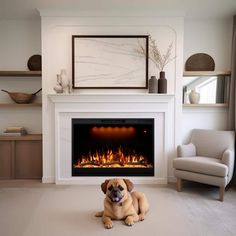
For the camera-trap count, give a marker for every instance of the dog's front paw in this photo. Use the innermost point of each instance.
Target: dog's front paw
(108, 225)
(141, 217)
(129, 221)
(99, 214)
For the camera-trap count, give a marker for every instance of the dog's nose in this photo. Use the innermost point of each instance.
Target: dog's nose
(115, 192)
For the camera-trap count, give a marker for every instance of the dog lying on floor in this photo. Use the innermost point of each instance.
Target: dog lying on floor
(122, 204)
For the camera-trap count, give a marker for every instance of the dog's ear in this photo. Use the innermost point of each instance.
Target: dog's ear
(104, 186)
(129, 184)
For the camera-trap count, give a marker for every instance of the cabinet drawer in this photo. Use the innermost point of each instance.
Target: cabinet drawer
(21, 158)
(5, 160)
(28, 159)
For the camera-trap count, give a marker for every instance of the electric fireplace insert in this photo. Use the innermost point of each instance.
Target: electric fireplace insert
(112, 147)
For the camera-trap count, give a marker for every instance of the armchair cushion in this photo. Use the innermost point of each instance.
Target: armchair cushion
(188, 150)
(228, 160)
(212, 143)
(201, 165)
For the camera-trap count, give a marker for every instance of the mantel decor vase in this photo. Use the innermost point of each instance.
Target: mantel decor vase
(162, 83)
(194, 97)
(63, 80)
(152, 85)
(58, 88)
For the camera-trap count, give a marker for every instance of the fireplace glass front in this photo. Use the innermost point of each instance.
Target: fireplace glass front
(112, 147)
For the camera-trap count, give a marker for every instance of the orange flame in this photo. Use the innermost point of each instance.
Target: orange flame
(114, 159)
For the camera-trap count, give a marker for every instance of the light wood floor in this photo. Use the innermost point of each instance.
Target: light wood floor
(29, 208)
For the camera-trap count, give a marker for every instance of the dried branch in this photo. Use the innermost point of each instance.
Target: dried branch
(160, 60)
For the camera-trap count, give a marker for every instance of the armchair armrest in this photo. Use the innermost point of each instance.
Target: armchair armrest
(228, 160)
(188, 150)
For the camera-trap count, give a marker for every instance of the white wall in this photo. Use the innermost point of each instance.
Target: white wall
(213, 37)
(56, 52)
(19, 39)
(203, 118)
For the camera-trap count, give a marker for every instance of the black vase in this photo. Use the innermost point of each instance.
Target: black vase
(162, 83)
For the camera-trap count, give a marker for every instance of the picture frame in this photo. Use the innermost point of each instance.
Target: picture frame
(109, 62)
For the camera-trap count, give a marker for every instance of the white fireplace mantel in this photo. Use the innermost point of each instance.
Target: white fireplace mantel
(160, 107)
(97, 98)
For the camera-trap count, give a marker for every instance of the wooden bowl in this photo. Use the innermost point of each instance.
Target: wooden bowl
(21, 98)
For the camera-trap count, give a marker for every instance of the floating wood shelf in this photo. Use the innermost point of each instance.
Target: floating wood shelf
(28, 137)
(202, 105)
(205, 73)
(15, 105)
(21, 73)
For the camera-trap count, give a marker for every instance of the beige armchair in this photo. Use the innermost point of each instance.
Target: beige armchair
(208, 158)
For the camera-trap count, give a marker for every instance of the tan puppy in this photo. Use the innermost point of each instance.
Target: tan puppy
(120, 204)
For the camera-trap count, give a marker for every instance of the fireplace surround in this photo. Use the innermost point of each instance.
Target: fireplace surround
(112, 147)
(159, 108)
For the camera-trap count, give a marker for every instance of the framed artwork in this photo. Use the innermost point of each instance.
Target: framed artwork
(109, 62)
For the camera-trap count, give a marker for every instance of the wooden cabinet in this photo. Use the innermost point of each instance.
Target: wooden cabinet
(21, 157)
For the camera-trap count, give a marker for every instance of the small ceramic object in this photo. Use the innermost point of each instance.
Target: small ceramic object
(58, 88)
(35, 63)
(69, 86)
(194, 97)
(64, 81)
(152, 85)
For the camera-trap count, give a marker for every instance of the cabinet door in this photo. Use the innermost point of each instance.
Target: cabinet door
(5, 160)
(28, 159)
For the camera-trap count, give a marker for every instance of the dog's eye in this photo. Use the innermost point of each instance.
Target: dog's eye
(121, 188)
(110, 188)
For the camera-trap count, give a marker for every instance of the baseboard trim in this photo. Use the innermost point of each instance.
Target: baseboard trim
(48, 180)
(171, 179)
(81, 181)
(99, 180)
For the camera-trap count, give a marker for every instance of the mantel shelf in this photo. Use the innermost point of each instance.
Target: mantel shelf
(205, 73)
(14, 105)
(110, 98)
(20, 73)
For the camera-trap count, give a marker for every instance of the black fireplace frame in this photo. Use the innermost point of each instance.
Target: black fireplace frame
(139, 172)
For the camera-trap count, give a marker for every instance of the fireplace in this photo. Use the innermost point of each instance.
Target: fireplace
(112, 147)
(156, 108)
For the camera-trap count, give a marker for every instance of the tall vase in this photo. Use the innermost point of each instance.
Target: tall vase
(63, 79)
(152, 85)
(162, 83)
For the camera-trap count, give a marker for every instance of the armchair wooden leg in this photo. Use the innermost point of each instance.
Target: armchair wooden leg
(221, 193)
(179, 184)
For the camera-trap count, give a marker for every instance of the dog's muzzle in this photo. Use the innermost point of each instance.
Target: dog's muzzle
(115, 195)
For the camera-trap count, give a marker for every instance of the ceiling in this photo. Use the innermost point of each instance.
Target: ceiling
(27, 9)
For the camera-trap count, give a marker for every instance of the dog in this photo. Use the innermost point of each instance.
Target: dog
(122, 204)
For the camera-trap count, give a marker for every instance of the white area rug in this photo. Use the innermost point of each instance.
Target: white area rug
(34, 209)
